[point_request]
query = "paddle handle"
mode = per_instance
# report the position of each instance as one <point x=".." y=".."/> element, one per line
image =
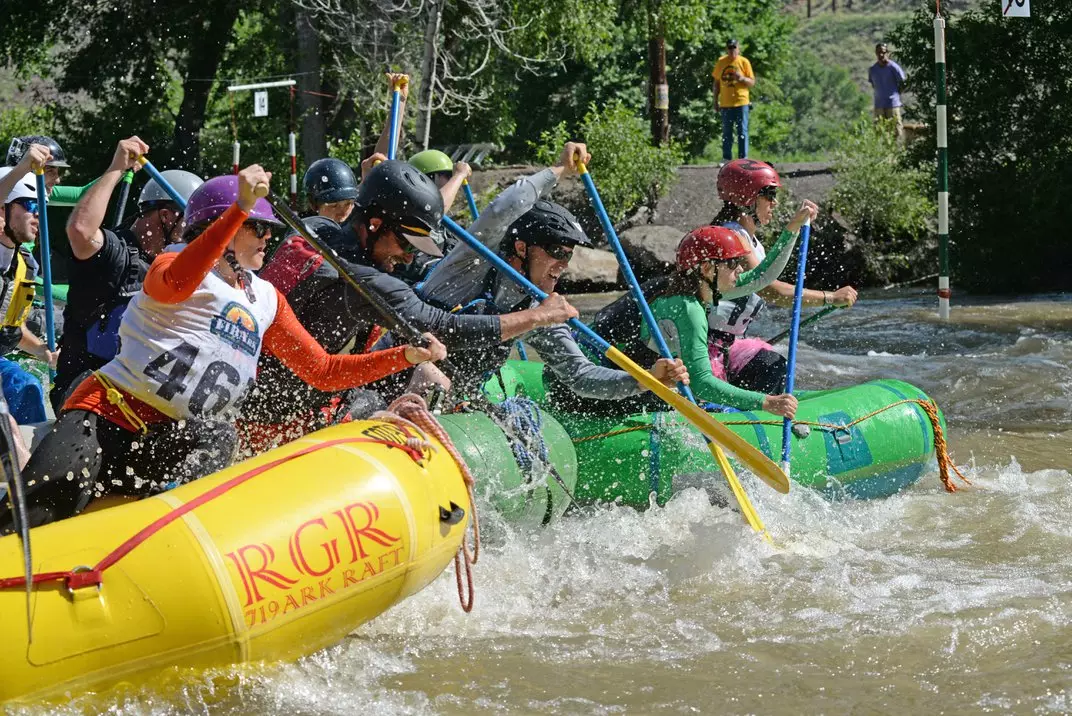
<point x="124" y="195"/>
<point x="46" y="263"/>
<point x="470" y="200"/>
<point x="794" y="335"/>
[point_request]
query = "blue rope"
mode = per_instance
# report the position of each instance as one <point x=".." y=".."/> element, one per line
<point x="525" y="422"/>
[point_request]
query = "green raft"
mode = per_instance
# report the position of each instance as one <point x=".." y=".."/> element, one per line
<point x="861" y="442"/>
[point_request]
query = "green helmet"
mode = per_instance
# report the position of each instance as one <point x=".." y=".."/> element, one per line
<point x="431" y="161"/>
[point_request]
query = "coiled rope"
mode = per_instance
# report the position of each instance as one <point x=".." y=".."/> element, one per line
<point x="929" y="407"/>
<point x="521" y="419"/>
<point x="411" y="411"/>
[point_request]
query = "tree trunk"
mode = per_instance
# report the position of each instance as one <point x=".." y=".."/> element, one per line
<point x="202" y="62"/>
<point x="658" y="90"/>
<point x="428" y="73"/>
<point x="313" y="123"/>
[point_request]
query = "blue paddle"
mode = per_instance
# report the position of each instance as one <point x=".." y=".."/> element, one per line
<point x="794" y="334"/>
<point x="396" y="100"/>
<point x="46" y="264"/>
<point x="471" y="200"/>
<point x="747" y="509"/>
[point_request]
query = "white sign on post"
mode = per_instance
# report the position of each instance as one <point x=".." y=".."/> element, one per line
<point x="1016" y="8"/>
<point x="260" y="103"/>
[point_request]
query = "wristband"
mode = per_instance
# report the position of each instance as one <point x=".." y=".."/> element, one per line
<point x="826" y="298"/>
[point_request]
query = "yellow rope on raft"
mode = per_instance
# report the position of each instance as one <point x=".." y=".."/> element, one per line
<point x="941" y="451"/>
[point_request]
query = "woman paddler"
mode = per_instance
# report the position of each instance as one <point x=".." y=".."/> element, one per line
<point x="709" y="266"/>
<point x="157" y="415"/>
<point x="749" y="192"/>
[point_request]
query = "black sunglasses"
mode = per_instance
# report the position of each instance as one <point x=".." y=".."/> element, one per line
<point x="734" y="263"/>
<point x="558" y="252"/>
<point x="260" y="229"/>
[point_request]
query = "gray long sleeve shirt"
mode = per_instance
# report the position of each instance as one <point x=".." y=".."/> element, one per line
<point x="460" y="278"/>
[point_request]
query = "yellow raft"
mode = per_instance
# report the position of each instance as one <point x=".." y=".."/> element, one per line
<point x="273" y="558"/>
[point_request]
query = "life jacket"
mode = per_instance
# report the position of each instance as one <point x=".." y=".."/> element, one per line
<point x="294" y="261"/>
<point x="102" y="334"/>
<point x="729" y="319"/>
<point x="197" y="357"/>
<point x="16" y="298"/>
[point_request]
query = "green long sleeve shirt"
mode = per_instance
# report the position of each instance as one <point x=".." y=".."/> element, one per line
<point x="683" y="322"/>
<point x="62" y="195"/>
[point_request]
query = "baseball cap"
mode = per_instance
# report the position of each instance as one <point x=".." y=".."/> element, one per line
<point x="731" y="43"/>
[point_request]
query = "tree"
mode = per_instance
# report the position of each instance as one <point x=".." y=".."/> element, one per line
<point x="1009" y="146"/>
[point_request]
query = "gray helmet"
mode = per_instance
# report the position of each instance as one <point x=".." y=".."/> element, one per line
<point x="183" y="182"/>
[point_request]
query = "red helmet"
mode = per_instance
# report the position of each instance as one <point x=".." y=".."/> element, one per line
<point x="740" y="181"/>
<point x="709" y="243"/>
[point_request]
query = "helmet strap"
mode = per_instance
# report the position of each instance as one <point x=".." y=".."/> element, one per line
<point x="242" y="276"/>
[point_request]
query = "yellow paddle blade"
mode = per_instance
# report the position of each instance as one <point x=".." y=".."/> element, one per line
<point x="749" y="512"/>
<point x="753" y="459"/>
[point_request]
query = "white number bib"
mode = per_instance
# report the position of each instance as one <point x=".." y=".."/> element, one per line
<point x="195" y="358"/>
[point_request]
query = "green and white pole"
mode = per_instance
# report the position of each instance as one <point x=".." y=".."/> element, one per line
<point x="943" y="170"/>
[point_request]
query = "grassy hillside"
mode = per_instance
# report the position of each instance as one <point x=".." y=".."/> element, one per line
<point x="847" y="37"/>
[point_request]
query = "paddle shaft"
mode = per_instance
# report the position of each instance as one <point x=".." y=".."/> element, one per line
<point x="747" y="509"/>
<point x="46" y="265"/>
<point x="810" y="319"/>
<point x="124" y="194"/>
<point x="470" y="200"/>
<point x="392" y="141"/>
<point x="155" y="174"/>
<point x="794" y="335"/>
<point x="394" y="322"/>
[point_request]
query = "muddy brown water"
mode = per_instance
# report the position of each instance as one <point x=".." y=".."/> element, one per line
<point x="925" y="602"/>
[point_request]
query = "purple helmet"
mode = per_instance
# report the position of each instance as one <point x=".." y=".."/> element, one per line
<point x="213" y="197"/>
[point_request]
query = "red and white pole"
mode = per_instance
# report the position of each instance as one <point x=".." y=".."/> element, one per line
<point x="293" y="172"/>
<point x="236" y="151"/>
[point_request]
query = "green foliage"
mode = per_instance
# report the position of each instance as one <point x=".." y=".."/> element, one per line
<point x="1010" y="147"/>
<point x="807" y="107"/>
<point x="629" y="170"/>
<point x="607" y="61"/>
<point x="884" y="199"/>
<point x="20" y="121"/>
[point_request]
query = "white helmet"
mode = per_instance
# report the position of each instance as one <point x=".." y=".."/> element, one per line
<point x="26" y="188"/>
<point x="183" y="182"/>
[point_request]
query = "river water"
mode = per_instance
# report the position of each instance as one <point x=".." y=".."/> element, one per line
<point x="926" y="602"/>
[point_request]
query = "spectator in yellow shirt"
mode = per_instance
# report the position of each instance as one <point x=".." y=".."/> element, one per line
<point x="733" y="77"/>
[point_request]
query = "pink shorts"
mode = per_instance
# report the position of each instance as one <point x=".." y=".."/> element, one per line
<point x="742" y="351"/>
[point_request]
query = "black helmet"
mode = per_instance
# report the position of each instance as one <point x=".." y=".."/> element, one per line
<point x="406" y="201"/>
<point x="548" y="223"/>
<point x="19" y="145"/>
<point x="329" y="180"/>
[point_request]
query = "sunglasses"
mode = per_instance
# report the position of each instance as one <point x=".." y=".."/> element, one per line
<point x="29" y="205"/>
<point x="260" y="229"/>
<point x="733" y="264"/>
<point x="558" y="252"/>
<point x="769" y="193"/>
